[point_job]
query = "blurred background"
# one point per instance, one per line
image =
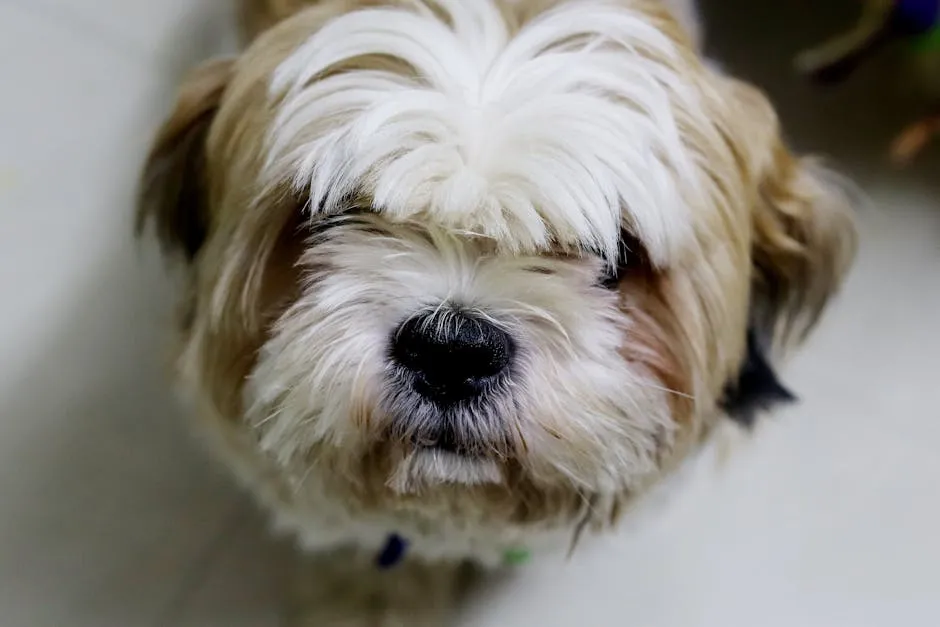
(111, 516)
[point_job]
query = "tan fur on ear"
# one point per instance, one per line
(174, 187)
(804, 237)
(258, 16)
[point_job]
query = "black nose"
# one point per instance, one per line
(452, 355)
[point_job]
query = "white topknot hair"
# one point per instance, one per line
(565, 132)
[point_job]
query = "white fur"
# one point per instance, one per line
(329, 354)
(560, 133)
(306, 511)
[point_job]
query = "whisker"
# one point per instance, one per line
(668, 390)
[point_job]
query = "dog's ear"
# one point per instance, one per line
(173, 193)
(803, 242)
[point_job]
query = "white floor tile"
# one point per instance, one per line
(245, 586)
(105, 504)
(168, 32)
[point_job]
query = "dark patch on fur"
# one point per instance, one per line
(632, 256)
(174, 193)
(757, 387)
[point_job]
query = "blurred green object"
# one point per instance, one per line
(927, 42)
(516, 557)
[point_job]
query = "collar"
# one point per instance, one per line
(396, 547)
(392, 553)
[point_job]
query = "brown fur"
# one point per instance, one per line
(804, 237)
(174, 190)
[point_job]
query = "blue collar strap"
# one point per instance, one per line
(392, 553)
(395, 548)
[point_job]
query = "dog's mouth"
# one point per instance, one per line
(470, 431)
(447, 440)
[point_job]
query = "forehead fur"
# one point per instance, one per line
(561, 129)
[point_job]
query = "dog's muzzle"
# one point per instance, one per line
(452, 361)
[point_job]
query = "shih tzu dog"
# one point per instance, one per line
(465, 278)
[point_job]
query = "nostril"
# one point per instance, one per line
(481, 349)
(454, 356)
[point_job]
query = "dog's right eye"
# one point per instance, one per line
(611, 277)
(631, 256)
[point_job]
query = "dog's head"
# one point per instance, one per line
(512, 254)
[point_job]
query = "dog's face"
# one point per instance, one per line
(507, 254)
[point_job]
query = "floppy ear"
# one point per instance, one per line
(173, 192)
(803, 242)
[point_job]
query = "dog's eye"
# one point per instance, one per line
(320, 226)
(631, 256)
(611, 277)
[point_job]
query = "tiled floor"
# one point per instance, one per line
(110, 517)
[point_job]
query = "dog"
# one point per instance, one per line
(464, 280)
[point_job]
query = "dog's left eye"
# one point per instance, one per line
(631, 256)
